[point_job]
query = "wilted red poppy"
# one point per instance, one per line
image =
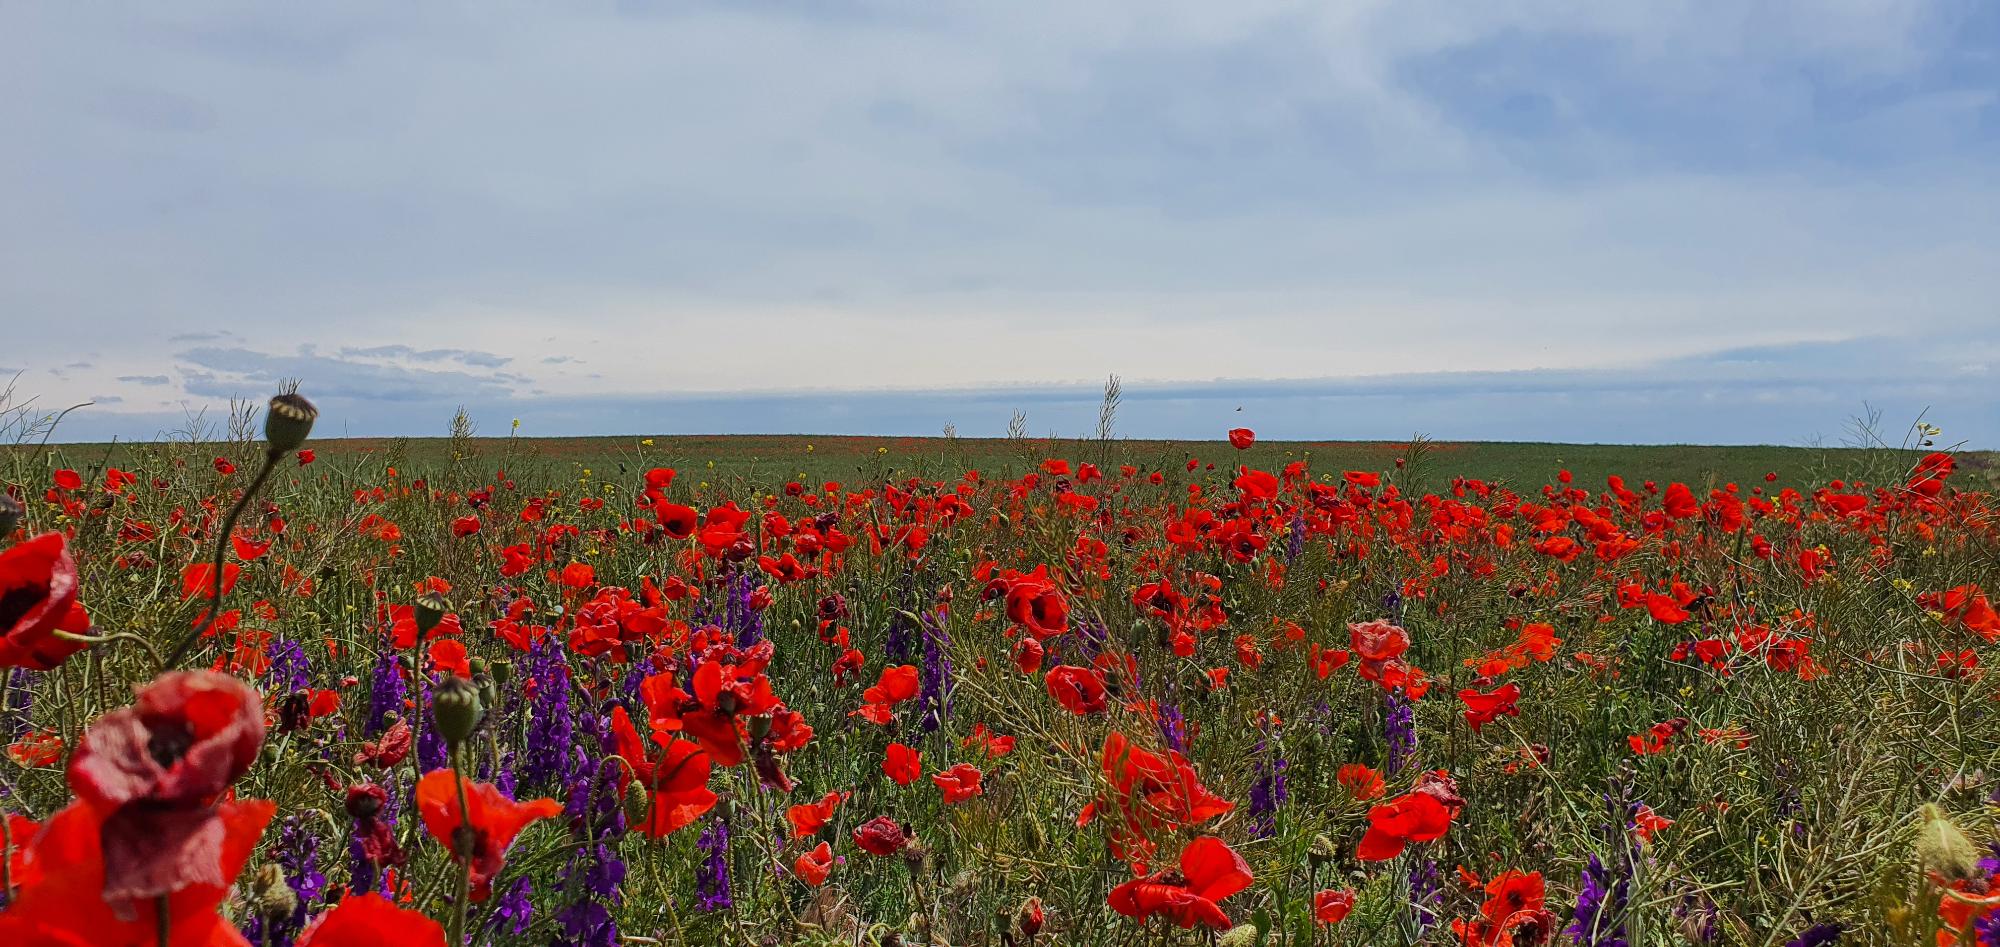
(881, 836)
(37, 599)
(493, 821)
(813, 866)
(1209, 872)
(1241, 438)
(152, 773)
(369, 920)
(959, 783)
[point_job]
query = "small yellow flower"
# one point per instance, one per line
(809, 448)
(648, 442)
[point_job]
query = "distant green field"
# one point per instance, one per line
(769, 459)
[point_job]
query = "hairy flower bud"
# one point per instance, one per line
(288, 422)
(273, 896)
(1244, 935)
(1944, 849)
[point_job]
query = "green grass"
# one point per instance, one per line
(767, 458)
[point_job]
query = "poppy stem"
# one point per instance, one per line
(162, 922)
(221, 552)
(458, 901)
(115, 636)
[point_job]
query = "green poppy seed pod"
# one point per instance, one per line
(10, 514)
(1322, 851)
(1243, 935)
(479, 667)
(637, 802)
(503, 672)
(456, 709)
(489, 692)
(273, 895)
(429, 611)
(288, 422)
(1944, 849)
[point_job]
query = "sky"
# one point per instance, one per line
(1648, 222)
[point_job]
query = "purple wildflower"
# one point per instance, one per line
(935, 697)
(1267, 790)
(712, 882)
(1399, 730)
(1818, 935)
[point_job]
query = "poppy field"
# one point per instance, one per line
(266, 691)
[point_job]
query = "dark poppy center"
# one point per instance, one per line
(169, 742)
(17, 602)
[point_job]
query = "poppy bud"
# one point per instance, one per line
(288, 422)
(637, 802)
(503, 671)
(456, 709)
(1244, 935)
(1944, 849)
(429, 610)
(274, 897)
(10, 514)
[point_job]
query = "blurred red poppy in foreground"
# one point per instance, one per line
(38, 599)
(153, 772)
(369, 920)
(1209, 871)
(488, 826)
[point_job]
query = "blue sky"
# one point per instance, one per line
(1651, 222)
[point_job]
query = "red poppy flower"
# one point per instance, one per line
(679, 521)
(1422, 815)
(1209, 871)
(1361, 782)
(808, 818)
(1080, 690)
(959, 783)
(1035, 603)
(1512, 914)
(1331, 906)
(1482, 709)
(1149, 793)
(68, 479)
(198, 579)
(464, 526)
(37, 599)
(897, 684)
(813, 866)
(881, 836)
(1241, 438)
(493, 820)
(676, 781)
(63, 898)
(902, 764)
(369, 920)
(152, 773)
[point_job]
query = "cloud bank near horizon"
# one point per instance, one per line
(1533, 220)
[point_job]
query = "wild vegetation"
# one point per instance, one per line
(258, 690)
